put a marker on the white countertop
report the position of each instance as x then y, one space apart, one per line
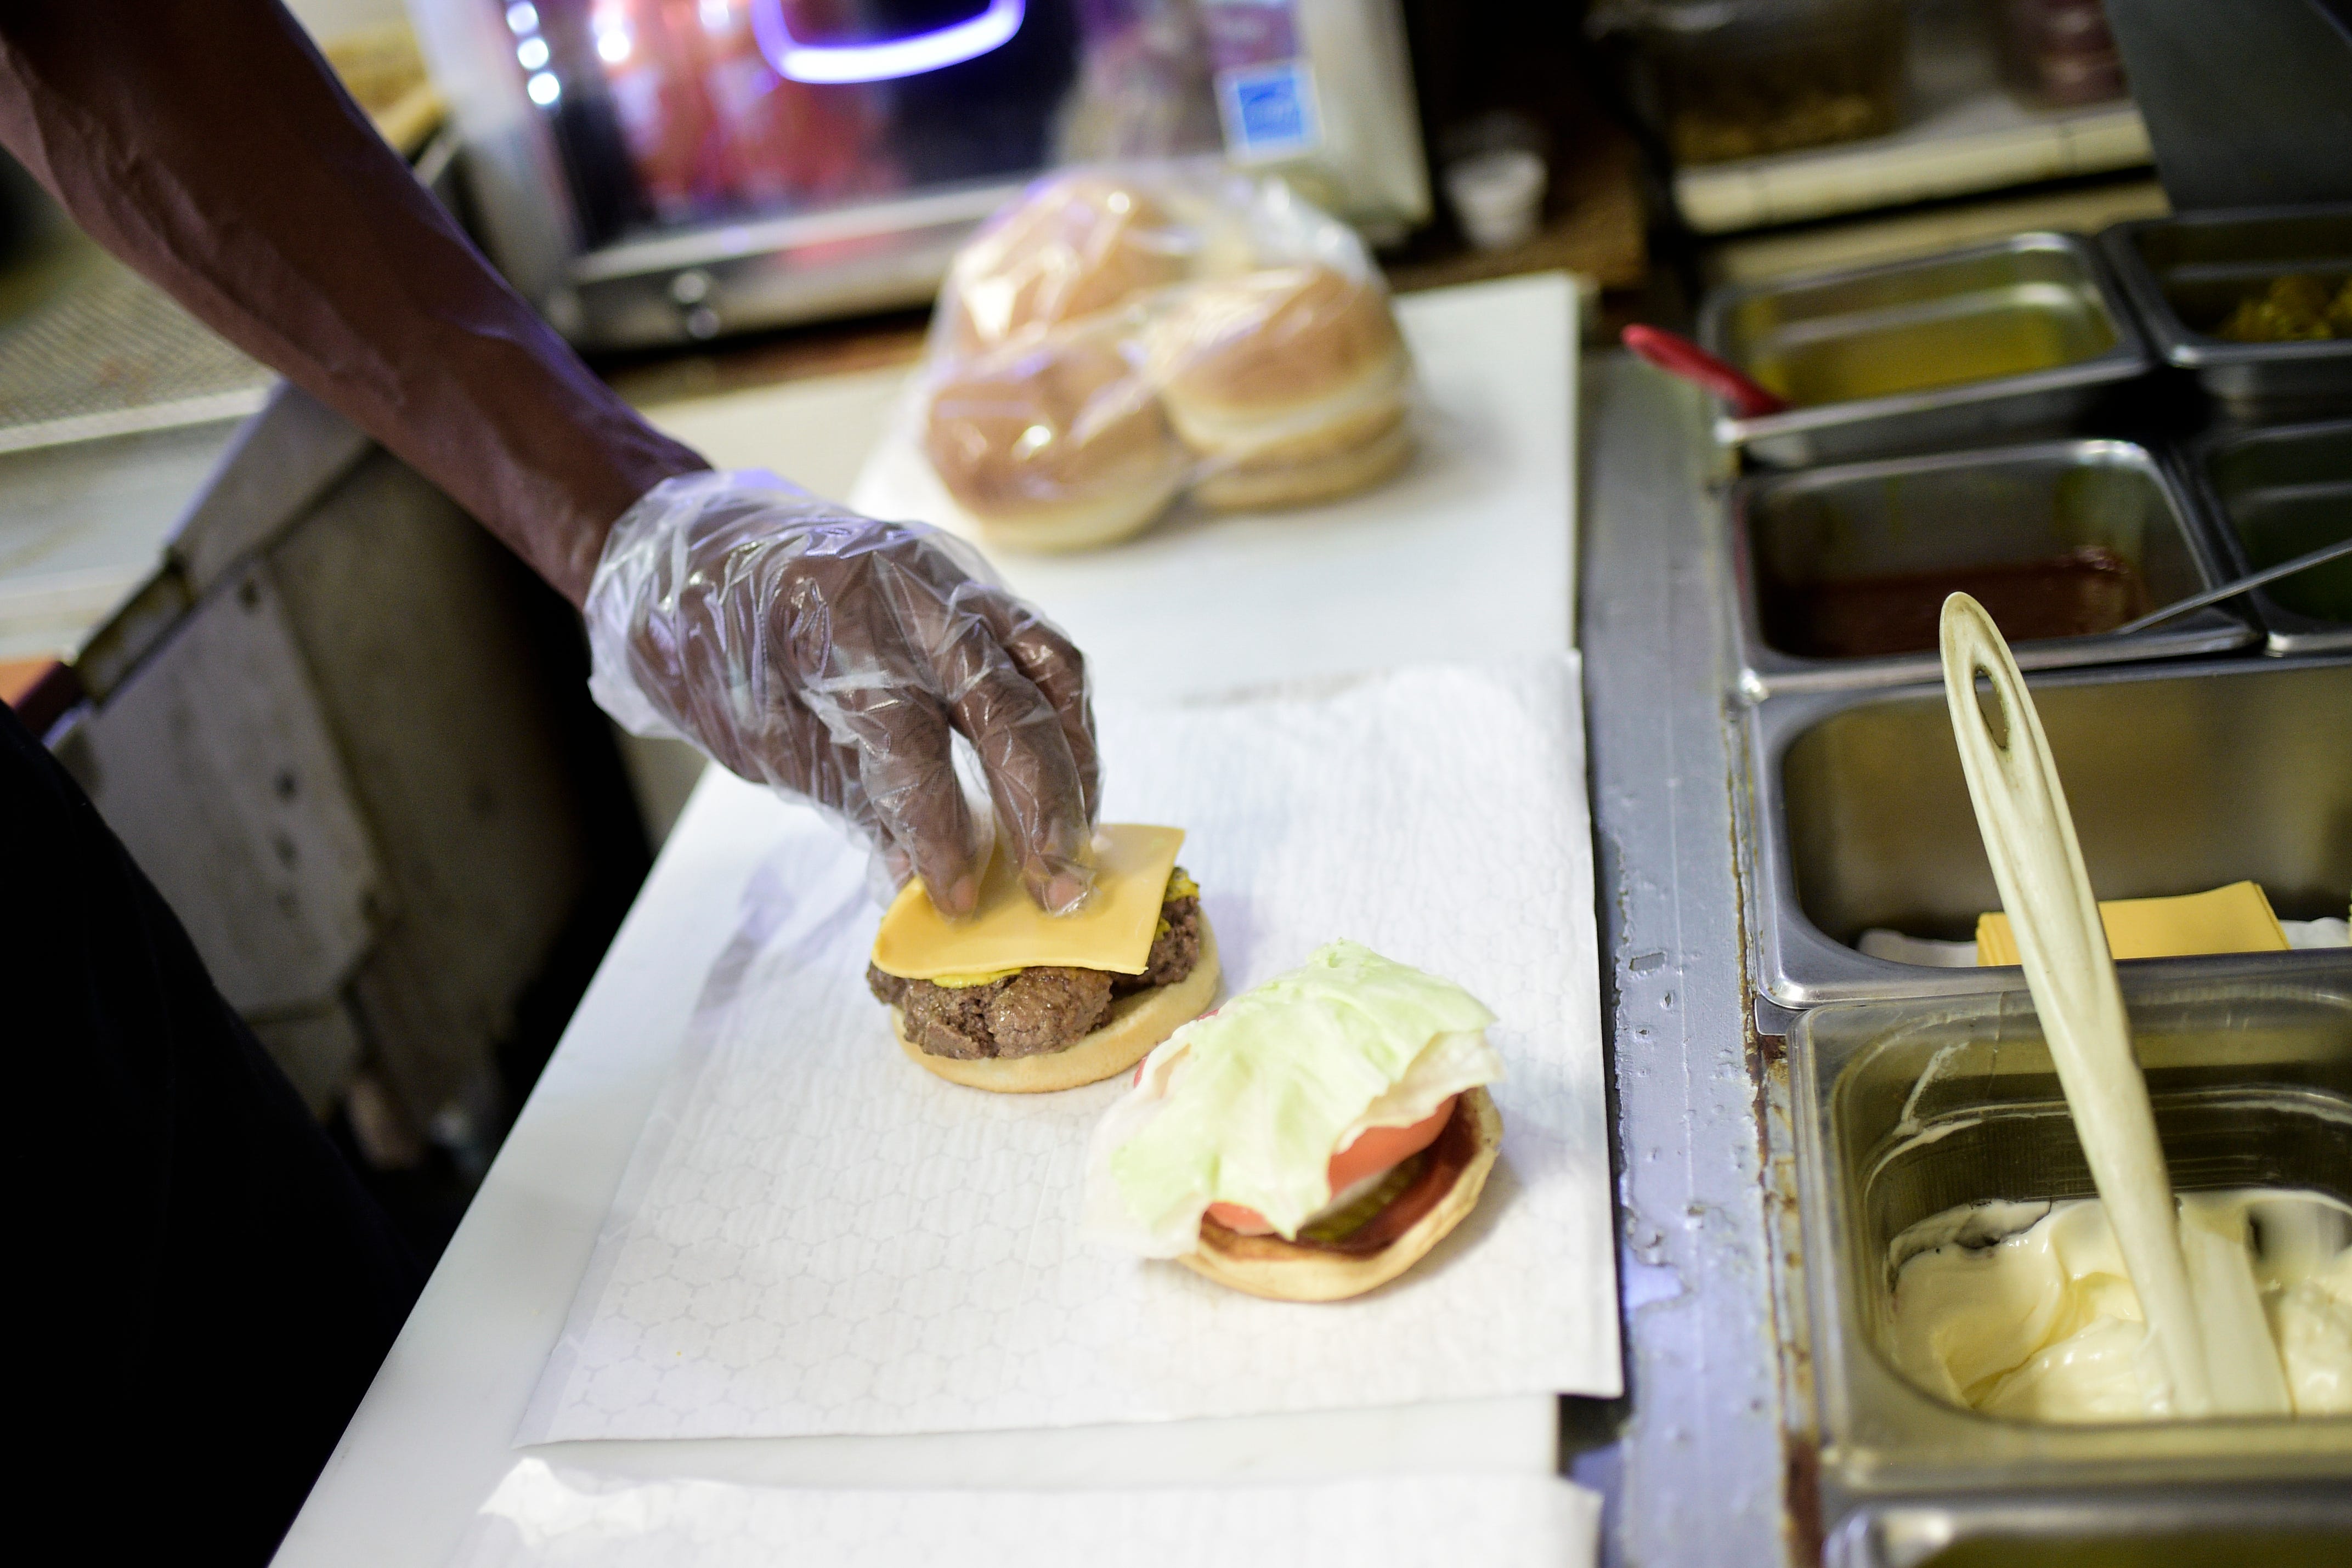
1479 566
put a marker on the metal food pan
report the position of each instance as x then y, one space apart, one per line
2180 777
1906 1109
1918 518
2278 1527
2183 276
2269 495
2019 338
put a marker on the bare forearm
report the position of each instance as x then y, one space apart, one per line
204 143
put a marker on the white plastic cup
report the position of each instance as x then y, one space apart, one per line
1497 195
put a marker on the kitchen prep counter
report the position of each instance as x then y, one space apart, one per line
1691 1463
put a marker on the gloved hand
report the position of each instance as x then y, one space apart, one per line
830 656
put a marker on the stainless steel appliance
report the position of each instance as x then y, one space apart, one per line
665 171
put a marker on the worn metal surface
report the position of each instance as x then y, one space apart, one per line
1696 1473
414 623
212 764
273 470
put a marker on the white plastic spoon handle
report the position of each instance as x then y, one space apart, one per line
2029 835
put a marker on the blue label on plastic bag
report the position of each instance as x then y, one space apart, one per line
1266 89
1269 112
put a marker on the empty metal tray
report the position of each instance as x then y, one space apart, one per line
2023 337
1908 1109
2272 494
2183 276
2174 1527
1812 555
2180 777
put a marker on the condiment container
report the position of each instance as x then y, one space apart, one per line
2269 495
2058 53
1497 195
1906 1109
2187 278
1834 569
2181 777
1745 79
2176 1525
1995 342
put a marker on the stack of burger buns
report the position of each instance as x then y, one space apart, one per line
1053 446
1117 337
1289 380
1072 247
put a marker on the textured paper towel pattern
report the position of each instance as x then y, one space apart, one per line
818 1237
545 1516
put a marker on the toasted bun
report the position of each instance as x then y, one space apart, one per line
1052 447
1391 1241
1075 246
1264 484
1293 362
1136 1024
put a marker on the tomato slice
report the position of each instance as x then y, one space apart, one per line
1376 1150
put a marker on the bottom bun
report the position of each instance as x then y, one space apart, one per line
1136 1024
1386 1245
1259 484
1077 525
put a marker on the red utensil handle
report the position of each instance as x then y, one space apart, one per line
1677 355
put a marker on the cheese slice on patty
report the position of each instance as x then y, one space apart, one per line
1112 931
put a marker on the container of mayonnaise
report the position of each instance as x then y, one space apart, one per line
1931 1133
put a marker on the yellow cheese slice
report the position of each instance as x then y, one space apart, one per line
2233 919
1112 931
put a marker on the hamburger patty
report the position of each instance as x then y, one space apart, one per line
1034 1011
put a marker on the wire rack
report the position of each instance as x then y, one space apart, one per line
102 353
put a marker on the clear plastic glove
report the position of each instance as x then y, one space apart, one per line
834 657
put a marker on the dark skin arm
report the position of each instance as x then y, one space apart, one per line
207 145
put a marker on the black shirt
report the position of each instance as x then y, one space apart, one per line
206 1289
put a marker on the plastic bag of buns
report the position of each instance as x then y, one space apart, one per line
1120 336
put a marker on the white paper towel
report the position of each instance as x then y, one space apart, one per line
818 1237
546 1515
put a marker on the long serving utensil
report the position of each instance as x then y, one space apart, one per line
2029 835
1678 356
2230 589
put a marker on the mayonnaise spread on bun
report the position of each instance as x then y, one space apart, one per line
1250 1107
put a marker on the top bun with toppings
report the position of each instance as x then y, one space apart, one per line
1310 1140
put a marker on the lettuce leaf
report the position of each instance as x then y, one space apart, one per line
1248 1106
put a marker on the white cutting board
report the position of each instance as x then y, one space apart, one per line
1473 548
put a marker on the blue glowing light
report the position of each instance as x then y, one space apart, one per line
881 62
